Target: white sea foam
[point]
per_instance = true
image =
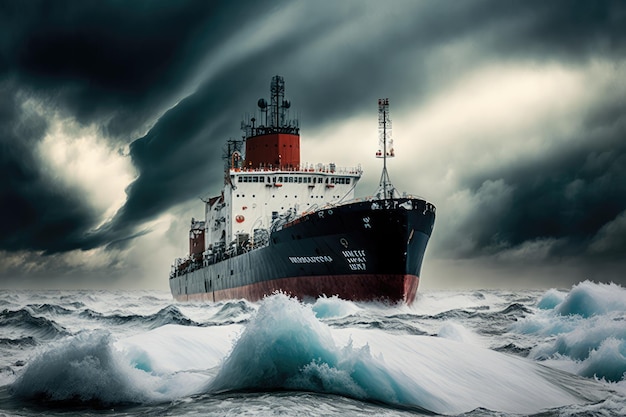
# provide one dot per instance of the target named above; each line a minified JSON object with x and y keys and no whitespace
{"x":84,"y":368}
{"x":167,"y":363}
{"x":456,"y":331}
{"x":551,"y":299}
{"x":589,"y":325}
{"x":331,"y":307}
{"x":286,"y":346}
{"x":435,"y":302}
{"x":590,"y":299}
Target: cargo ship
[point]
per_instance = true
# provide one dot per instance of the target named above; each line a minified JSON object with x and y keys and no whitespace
{"x":279,"y":225}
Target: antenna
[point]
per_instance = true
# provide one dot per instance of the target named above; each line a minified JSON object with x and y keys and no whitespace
{"x":385,"y":142}
{"x":277,"y":98}
{"x":274,"y":117}
{"x":232,"y":157}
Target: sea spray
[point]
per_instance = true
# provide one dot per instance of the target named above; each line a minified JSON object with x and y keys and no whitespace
{"x":588,"y":325}
{"x":286,"y":347}
{"x":590,"y":299}
{"x":551,"y":299}
{"x":455,"y":331}
{"x":608,"y":361}
{"x":281,"y":339}
{"x":80,"y":368}
{"x":333,"y":307}
{"x":93,"y":367}
{"x":369,"y":354}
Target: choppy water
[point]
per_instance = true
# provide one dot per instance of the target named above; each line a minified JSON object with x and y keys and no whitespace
{"x":480,"y":353}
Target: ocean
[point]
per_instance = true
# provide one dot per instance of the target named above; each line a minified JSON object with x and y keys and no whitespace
{"x":557,"y":352}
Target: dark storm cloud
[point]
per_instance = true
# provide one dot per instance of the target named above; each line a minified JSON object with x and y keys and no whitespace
{"x":35,"y":213}
{"x":121,"y":64}
{"x":569,"y":197}
{"x":172,"y":156}
{"x":111,"y":62}
{"x":108,"y":63}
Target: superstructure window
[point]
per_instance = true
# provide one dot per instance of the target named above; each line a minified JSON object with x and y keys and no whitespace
{"x":239,"y":179}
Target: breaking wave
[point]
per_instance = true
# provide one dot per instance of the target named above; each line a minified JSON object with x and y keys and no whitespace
{"x":282,"y":344}
{"x":83,"y":368}
{"x":589,"y":325}
{"x":285,"y":347}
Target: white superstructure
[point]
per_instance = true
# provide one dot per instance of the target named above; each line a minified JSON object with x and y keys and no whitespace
{"x":255,"y":199}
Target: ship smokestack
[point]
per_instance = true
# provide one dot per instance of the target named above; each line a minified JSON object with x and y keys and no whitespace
{"x":275,"y":144}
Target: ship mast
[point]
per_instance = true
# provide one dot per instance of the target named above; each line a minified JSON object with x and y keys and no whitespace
{"x":385,"y":187}
{"x":231,"y":155}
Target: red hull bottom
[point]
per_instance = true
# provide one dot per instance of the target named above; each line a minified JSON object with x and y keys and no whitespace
{"x":384,"y":287}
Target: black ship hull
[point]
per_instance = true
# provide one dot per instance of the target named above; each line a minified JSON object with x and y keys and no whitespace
{"x":368,"y":250}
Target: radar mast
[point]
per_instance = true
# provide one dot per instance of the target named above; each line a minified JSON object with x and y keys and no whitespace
{"x":385,"y":150}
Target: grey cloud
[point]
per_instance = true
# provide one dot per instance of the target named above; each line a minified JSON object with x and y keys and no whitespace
{"x":120,"y":64}
{"x":36,"y":213}
{"x":574,"y":198}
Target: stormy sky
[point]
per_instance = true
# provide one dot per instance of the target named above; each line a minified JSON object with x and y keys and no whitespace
{"x":510,"y":116}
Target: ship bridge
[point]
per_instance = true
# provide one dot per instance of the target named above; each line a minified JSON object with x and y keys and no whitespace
{"x":264,"y":178}
{"x":259,"y":196}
